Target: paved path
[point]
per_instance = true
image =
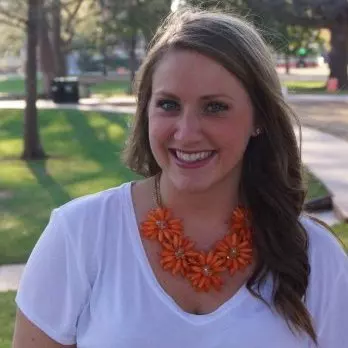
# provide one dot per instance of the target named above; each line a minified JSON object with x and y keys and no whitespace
{"x":326,"y":155}
{"x":330,"y":117}
{"x":10,"y":276}
{"x":125,"y":105}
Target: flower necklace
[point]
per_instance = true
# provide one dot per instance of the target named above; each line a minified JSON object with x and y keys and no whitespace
{"x":202,"y":269}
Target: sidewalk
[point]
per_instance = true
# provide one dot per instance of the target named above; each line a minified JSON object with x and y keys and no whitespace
{"x":123,"y":105}
{"x":324,"y":154}
{"x":328,"y":117}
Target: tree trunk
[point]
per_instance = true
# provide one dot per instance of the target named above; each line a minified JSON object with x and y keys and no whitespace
{"x":338,"y":58}
{"x":287,"y":64}
{"x":103,"y":47}
{"x":46,"y":54}
{"x":132,"y":59}
{"x":32,"y":145}
{"x":59,"y":56}
{"x":103,"y":53}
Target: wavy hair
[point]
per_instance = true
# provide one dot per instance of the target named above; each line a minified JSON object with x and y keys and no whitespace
{"x":271,"y":183}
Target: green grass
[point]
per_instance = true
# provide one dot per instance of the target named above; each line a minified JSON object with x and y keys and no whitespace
{"x":111,"y":88}
{"x":316,"y":188}
{"x":342,"y":232}
{"x":102,"y":89}
{"x":85,"y":158}
{"x":7,"y":318}
{"x":308,"y":87}
{"x":15,"y":86}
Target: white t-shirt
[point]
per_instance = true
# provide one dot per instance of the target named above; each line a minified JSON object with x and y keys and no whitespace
{"x":88,"y":281}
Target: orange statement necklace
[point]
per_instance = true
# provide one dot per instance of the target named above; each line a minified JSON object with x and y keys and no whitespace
{"x":203,"y":269}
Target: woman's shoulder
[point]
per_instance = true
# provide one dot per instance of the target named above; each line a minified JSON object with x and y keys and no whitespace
{"x":95,"y":205}
{"x":326,"y":296}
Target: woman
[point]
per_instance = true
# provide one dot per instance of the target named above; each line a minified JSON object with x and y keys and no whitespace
{"x":210,"y":249}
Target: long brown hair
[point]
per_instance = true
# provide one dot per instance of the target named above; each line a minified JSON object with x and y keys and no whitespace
{"x":272,"y":172}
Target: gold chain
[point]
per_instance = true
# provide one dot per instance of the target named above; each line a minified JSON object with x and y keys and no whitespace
{"x":157,"y":191}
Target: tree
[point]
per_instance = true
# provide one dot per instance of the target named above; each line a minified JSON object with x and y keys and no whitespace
{"x":314,"y":14}
{"x":290,"y":40}
{"x":330,"y":14}
{"x":32,"y":145}
{"x":58,"y":21}
{"x":126,"y":20}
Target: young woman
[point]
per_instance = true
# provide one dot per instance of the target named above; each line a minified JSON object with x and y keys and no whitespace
{"x":211,"y":249}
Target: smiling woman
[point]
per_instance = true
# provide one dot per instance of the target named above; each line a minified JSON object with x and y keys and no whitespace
{"x":211,"y":244}
{"x":200,"y":117}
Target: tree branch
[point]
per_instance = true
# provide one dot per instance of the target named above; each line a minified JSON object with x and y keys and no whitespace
{"x":68,"y":27}
{"x":12,"y":16}
{"x":9,"y":23}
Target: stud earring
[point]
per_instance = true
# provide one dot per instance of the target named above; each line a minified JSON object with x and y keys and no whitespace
{"x":257,"y":132}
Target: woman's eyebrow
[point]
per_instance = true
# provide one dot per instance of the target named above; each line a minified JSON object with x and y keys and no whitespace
{"x":166,"y":94}
{"x":171,"y":95}
{"x":213,"y":96}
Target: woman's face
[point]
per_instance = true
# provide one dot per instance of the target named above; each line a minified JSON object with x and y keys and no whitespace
{"x":200,"y":121}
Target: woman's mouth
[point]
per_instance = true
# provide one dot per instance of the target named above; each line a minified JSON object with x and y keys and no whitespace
{"x":192,"y":159}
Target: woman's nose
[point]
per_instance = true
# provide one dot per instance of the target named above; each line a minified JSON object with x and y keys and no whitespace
{"x":188,"y":127}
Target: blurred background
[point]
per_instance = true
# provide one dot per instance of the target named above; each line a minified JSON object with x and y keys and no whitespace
{"x":66,"y":102}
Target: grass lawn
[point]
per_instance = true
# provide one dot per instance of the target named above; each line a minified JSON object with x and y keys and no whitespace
{"x":15,"y":86}
{"x":85,"y":158}
{"x":103,"y":89}
{"x":315,"y":188}
{"x":342,"y":232}
{"x":308,"y":87}
{"x":7,"y":317}
{"x":110,"y":88}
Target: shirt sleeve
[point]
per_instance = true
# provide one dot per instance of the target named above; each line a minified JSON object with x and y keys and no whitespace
{"x":54,"y":287}
{"x":332,"y":328}
{"x":327,"y":300}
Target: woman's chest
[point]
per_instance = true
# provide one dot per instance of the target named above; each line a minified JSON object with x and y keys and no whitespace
{"x":134,"y":314}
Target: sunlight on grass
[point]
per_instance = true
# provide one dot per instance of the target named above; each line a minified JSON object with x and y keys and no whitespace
{"x":315,"y":87}
{"x":11,"y":146}
{"x":85,"y":150}
{"x":342,"y":232}
{"x":111,"y":88}
{"x":7,"y":318}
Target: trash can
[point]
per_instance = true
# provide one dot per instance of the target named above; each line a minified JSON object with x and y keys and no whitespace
{"x":65,"y":90}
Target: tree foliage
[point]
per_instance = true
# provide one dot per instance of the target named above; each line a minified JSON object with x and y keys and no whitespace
{"x":291,"y":16}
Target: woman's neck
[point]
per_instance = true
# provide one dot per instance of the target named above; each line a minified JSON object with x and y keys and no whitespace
{"x":216,"y":202}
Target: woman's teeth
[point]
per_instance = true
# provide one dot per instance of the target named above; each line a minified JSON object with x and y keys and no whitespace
{"x":193,"y":157}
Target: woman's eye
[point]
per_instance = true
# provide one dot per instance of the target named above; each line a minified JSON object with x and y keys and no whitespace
{"x":168,"y":105}
{"x":216,"y":107}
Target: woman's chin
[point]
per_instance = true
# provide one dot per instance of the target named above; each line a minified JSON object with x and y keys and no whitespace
{"x":190,"y":184}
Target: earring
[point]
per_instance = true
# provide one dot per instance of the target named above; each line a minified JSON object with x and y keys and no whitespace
{"x":257,"y":132}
